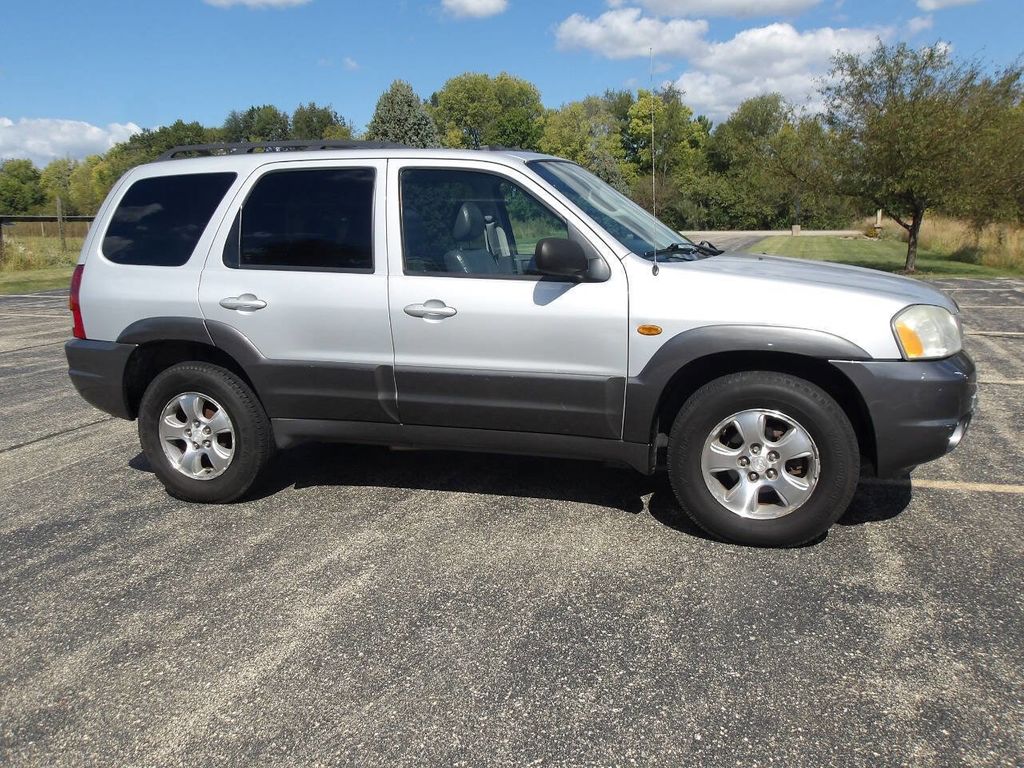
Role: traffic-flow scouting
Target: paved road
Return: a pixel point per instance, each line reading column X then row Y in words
column 728, row 241
column 380, row 608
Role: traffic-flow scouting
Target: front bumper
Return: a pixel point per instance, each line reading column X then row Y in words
column 920, row 410
column 97, row 370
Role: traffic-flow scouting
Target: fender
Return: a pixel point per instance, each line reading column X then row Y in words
column 644, row 391
column 166, row 329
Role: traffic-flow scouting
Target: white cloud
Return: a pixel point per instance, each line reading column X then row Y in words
column 349, row 63
column 736, row 8
column 626, row 33
column 257, row 3
column 919, row 24
column 474, row 8
column 774, row 58
column 938, row 5
column 43, row 139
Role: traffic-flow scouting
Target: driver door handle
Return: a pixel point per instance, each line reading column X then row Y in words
column 247, row 302
column 434, row 309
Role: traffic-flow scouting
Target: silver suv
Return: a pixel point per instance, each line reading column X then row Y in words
column 237, row 301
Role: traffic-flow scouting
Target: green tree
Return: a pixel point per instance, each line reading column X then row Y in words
column 85, row 188
column 148, row 144
column 474, row 110
column 587, row 133
column 618, row 103
column 55, row 180
column 20, row 189
column 993, row 188
column 401, row 117
column 749, row 190
column 311, row 121
column 911, row 127
column 767, row 168
column 257, row 123
column 669, row 166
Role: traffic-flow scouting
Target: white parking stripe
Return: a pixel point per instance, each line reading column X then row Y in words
column 42, row 296
column 30, row 314
column 949, row 485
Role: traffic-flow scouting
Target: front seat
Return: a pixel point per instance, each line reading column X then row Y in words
column 469, row 226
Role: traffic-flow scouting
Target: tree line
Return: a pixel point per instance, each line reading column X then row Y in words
column 902, row 129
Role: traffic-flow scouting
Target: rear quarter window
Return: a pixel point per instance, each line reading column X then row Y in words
column 159, row 220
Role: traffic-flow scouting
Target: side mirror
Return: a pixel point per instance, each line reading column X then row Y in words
column 560, row 257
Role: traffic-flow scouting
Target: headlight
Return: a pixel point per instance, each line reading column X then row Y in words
column 927, row 332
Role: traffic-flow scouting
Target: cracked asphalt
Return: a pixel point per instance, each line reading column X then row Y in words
column 378, row 608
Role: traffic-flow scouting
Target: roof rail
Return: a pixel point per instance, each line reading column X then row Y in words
column 248, row 147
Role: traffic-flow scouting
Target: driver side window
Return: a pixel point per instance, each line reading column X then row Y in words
column 471, row 223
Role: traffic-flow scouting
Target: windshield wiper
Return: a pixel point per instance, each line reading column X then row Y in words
column 688, row 249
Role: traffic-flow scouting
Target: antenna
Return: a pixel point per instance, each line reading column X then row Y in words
column 654, row 171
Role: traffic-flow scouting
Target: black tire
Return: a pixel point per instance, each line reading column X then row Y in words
column 253, row 439
column 816, row 412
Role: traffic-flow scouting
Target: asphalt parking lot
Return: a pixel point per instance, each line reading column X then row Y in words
column 369, row 607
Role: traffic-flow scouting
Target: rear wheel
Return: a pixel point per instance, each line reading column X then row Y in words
column 204, row 432
column 763, row 458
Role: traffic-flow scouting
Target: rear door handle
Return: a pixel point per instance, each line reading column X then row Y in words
column 247, row 302
column 434, row 309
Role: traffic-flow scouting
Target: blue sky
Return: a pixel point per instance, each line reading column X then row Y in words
column 75, row 77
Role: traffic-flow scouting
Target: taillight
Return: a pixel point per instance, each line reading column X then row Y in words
column 74, row 305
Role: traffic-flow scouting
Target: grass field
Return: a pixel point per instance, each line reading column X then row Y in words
column 886, row 255
column 29, row 280
column 34, row 263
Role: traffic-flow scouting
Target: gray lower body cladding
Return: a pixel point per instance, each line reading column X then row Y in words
column 97, row 369
column 586, row 406
column 919, row 410
column 639, row 456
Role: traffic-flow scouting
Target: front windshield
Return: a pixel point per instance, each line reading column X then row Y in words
column 624, row 220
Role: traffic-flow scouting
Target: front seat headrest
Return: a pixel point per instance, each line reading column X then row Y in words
column 469, row 223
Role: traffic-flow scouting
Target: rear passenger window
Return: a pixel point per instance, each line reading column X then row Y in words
column 313, row 220
column 159, row 220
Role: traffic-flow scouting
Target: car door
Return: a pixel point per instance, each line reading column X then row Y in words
column 480, row 342
column 297, row 282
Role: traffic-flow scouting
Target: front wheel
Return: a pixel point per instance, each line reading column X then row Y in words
column 763, row 458
column 204, row 432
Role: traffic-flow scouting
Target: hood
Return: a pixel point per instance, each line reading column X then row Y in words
column 853, row 303
column 823, row 275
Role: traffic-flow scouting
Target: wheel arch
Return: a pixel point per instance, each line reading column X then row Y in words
column 692, row 359
column 165, row 341
column 699, row 372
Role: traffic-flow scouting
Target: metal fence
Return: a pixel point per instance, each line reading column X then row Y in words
column 62, row 227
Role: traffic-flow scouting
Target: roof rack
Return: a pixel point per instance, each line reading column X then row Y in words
column 248, row 147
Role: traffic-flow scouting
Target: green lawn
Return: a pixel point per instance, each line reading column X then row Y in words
column 886, row 255
column 30, row 280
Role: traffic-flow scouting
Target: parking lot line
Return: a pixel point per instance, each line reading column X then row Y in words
column 50, row 296
column 1011, row 334
column 30, row 314
column 33, row 346
column 948, row 485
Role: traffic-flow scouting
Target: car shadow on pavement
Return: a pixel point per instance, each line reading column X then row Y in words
column 586, row 482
